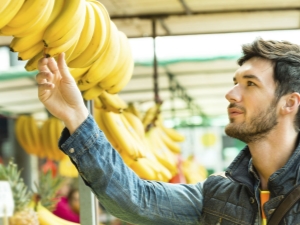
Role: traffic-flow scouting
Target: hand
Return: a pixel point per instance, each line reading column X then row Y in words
column 58, row 91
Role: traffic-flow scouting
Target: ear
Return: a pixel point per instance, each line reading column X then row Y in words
column 291, row 104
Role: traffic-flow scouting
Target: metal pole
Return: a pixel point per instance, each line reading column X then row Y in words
column 88, row 201
column 155, row 73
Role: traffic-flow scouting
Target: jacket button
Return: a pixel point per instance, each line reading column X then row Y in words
column 71, row 150
column 252, row 200
column 271, row 211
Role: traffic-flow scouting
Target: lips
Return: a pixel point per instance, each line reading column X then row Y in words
column 235, row 111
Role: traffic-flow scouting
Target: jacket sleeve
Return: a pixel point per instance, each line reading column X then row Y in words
column 120, row 190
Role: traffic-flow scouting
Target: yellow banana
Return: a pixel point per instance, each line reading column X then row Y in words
column 67, row 41
column 120, row 133
column 150, row 115
column 139, row 144
column 132, row 108
column 172, row 133
column 101, row 125
column 135, row 123
column 92, row 93
column 45, row 141
column 66, row 168
column 21, row 44
column 143, row 169
column 4, row 4
column 32, row 63
column 46, row 217
column 113, row 102
column 55, row 128
column 78, row 72
column 31, row 52
column 98, row 103
column 86, row 34
column 20, row 133
column 31, row 18
column 9, row 12
column 99, row 40
column 29, row 137
column 107, row 61
column 124, row 53
column 69, row 17
column 172, row 145
column 36, row 137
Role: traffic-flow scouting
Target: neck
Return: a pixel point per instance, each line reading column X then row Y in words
column 272, row 153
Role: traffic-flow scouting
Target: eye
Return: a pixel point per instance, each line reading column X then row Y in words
column 250, row 83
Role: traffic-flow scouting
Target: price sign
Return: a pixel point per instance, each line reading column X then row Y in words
column 6, row 200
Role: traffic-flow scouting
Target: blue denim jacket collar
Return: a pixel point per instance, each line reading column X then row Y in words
column 280, row 182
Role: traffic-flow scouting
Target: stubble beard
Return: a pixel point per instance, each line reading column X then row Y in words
column 260, row 125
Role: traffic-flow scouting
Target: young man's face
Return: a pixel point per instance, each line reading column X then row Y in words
column 252, row 111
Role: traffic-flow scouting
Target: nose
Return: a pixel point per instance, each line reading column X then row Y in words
column 233, row 95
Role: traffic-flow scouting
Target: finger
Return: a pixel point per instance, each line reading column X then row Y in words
column 53, row 66
column 44, row 77
column 63, row 68
column 43, row 64
column 44, row 88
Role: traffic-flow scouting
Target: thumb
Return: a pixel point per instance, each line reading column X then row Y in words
column 63, row 68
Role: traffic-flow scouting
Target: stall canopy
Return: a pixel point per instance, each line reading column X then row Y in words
column 188, row 84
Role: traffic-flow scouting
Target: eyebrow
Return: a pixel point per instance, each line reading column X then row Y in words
column 249, row 77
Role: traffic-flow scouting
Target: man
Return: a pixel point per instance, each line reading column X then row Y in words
column 263, row 112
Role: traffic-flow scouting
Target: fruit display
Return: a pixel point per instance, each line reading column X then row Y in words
column 97, row 54
column 40, row 138
column 33, row 208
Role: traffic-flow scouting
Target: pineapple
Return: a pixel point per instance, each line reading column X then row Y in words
column 47, row 189
column 23, row 213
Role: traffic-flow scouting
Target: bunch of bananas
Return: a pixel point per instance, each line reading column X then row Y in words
column 97, row 53
column 40, row 140
column 152, row 154
column 193, row 171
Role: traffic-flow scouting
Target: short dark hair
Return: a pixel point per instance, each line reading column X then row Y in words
column 286, row 59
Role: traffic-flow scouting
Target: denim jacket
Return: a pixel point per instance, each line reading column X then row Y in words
column 231, row 198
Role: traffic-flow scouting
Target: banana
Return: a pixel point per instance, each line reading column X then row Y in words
column 123, row 57
column 113, row 102
column 172, row 133
column 120, row 133
column 132, row 108
column 124, row 77
column 161, row 152
column 99, row 40
column 20, row 133
column 135, row 123
column 21, row 44
column 107, row 61
column 55, row 128
column 31, row 52
column 46, row 217
column 86, row 34
column 172, row 145
column 142, row 167
column 66, row 167
column 35, row 134
column 101, row 125
column 78, row 72
column 67, row 41
column 29, row 137
column 45, row 140
column 139, row 144
column 92, row 93
column 32, row 63
column 9, row 12
column 70, row 15
column 98, row 103
column 4, row 4
column 150, row 115
column 31, row 18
